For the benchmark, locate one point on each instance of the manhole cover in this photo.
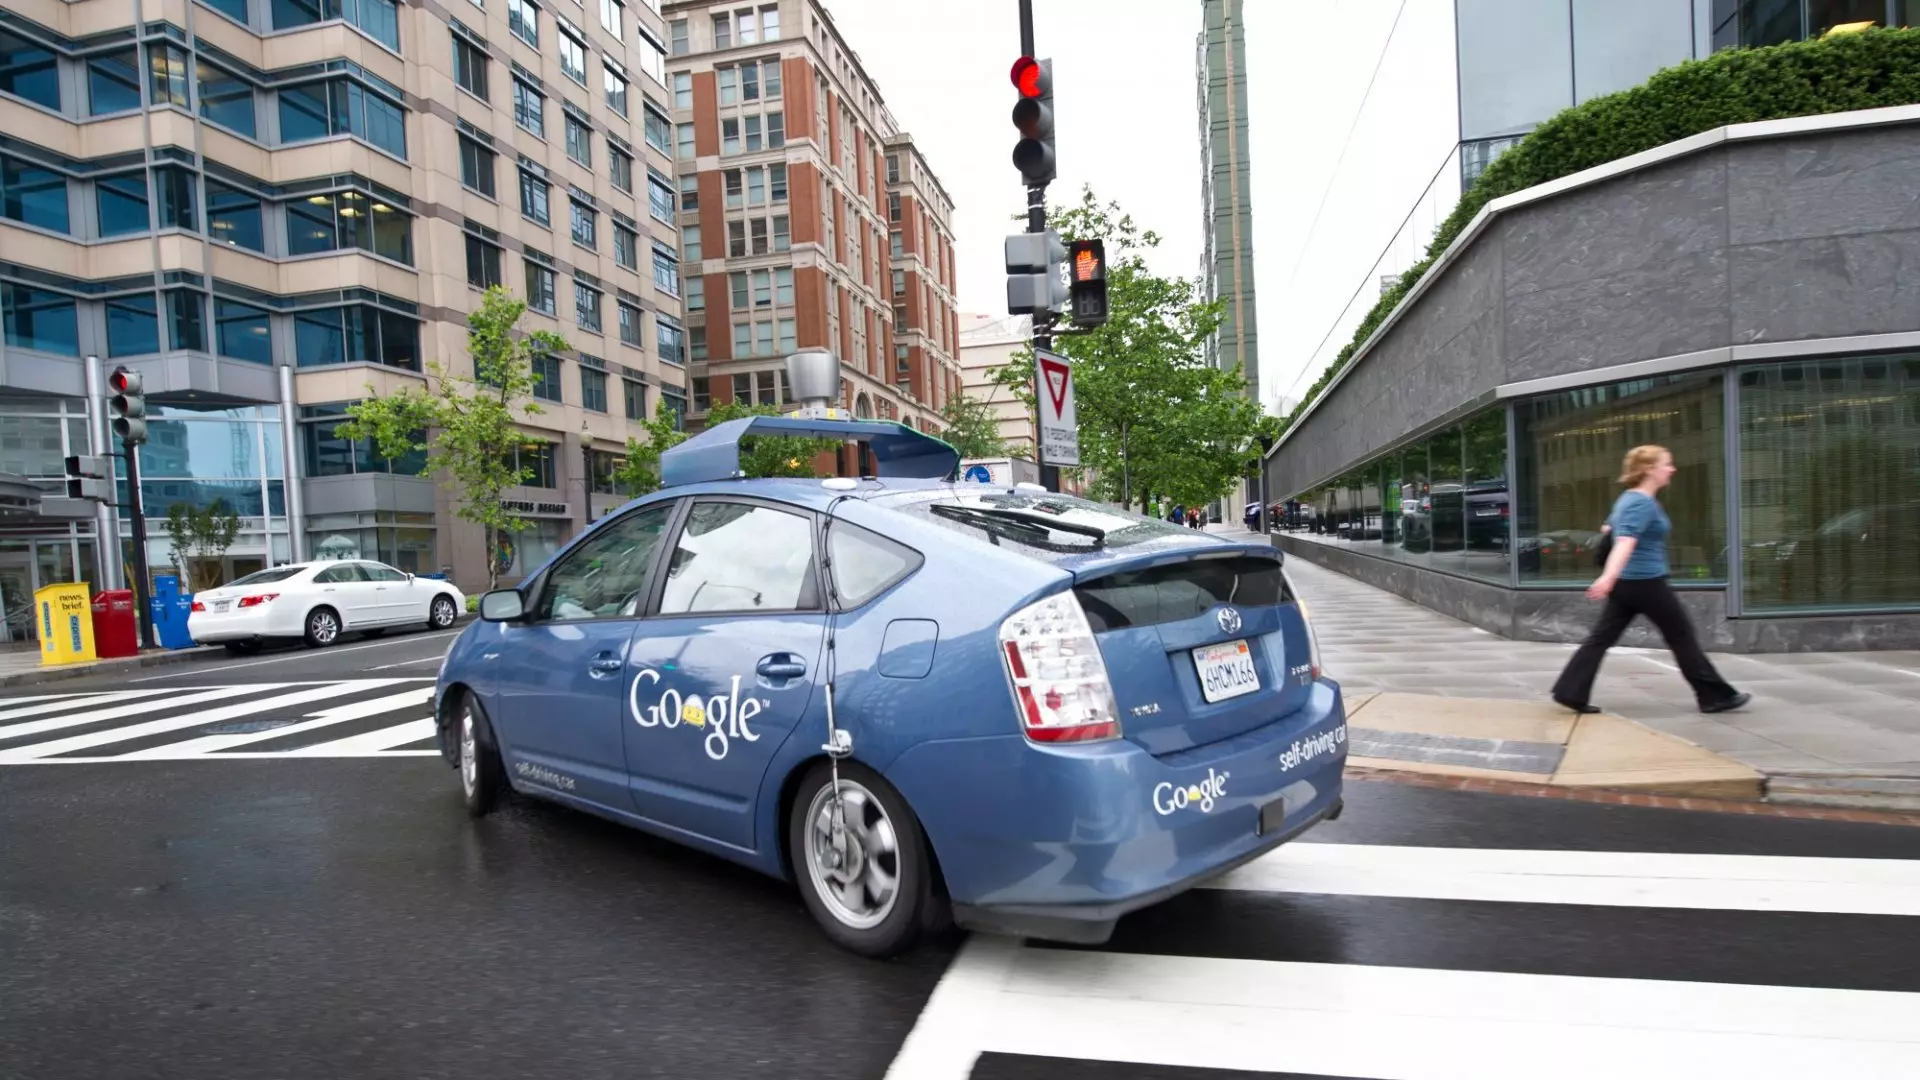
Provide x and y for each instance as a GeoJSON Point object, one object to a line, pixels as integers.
{"type": "Point", "coordinates": [244, 727]}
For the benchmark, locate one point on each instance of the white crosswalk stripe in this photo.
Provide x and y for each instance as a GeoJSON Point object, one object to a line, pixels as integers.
{"type": "Point", "coordinates": [1179, 998]}
{"type": "Point", "coordinates": [374, 717]}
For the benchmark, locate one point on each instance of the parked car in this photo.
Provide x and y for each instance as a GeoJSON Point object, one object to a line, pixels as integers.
{"type": "Point", "coordinates": [1038, 713]}
{"type": "Point", "coordinates": [319, 601]}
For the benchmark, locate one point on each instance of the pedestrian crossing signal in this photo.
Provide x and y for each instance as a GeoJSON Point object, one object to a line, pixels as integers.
{"type": "Point", "coordinates": [1087, 260]}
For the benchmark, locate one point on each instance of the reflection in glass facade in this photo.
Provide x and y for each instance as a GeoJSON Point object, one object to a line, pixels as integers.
{"type": "Point", "coordinates": [402, 541]}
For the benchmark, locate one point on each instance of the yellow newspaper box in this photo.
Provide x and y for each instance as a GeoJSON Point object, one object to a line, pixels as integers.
{"type": "Point", "coordinates": [66, 624]}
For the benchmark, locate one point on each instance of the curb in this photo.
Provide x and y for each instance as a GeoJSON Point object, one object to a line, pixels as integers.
{"type": "Point", "coordinates": [153, 658]}
{"type": "Point", "coordinates": [1754, 808]}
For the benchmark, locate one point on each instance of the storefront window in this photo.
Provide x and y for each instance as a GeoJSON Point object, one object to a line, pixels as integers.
{"type": "Point", "coordinates": [1830, 485]}
{"type": "Point", "coordinates": [1569, 448]}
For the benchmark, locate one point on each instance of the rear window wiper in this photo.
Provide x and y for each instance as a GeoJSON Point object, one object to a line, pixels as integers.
{"type": "Point", "coordinates": [1027, 521]}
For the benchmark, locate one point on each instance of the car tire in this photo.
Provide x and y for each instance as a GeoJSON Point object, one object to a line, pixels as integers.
{"type": "Point", "coordinates": [441, 613]}
{"type": "Point", "coordinates": [482, 776]}
{"type": "Point", "coordinates": [242, 648]}
{"type": "Point", "coordinates": [323, 627]}
{"type": "Point", "coordinates": [884, 839]}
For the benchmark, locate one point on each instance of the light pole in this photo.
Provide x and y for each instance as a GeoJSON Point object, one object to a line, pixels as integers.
{"type": "Point", "coordinates": [586, 475]}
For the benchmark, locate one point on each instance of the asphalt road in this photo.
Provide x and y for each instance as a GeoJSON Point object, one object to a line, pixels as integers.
{"type": "Point", "coordinates": [291, 917]}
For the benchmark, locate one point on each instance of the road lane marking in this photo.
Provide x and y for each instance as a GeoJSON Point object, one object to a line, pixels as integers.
{"type": "Point", "coordinates": [307, 654]}
{"type": "Point", "coordinates": [96, 716]}
{"type": "Point", "coordinates": [70, 701]}
{"type": "Point", "coordinates": [398, 735]}
{"type": "Point", "coordinates": [1395, 1022]}
{"type": "Point", "coordinates": [1606, 878]}
{"type": "Point", "coordinates": [339, 714]}
{"type": "Point", "coordinates": [37, 751]}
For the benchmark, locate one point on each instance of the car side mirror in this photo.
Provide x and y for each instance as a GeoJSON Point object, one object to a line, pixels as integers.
{"type": "Point", "coordinates": [503, 605]}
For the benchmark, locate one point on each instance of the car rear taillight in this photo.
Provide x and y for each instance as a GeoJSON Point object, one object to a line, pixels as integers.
{"type": "Point", "coordinates": [198, 606]}
{"type": "Point", "coordinates": [1059, 679]}
{"type": "Point", "coordinates": [1313, 639]}
{"type": "Point", "coordinates": [257, 600]}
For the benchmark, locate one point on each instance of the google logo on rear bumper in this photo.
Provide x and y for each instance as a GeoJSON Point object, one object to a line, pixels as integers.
{"type": "Point", "coordinates": [1168, 798]}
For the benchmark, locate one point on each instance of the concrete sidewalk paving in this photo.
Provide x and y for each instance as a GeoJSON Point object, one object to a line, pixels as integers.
{"type": "Point", "coordinates": [1822, 728]}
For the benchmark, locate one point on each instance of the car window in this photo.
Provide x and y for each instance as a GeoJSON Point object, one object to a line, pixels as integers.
{"type": "Point", "coordinates": [376, 572]}
{"type": "Point", "coordinates": [865, 563]}
{"type": "Point", "coordinates": [345, 573]}
{"type": "Point", "coordinates": [606, 577]}
{"type": "Point", "coordinates": [263, 577]}
{"type": "Point", "coordinates": [742, 557]}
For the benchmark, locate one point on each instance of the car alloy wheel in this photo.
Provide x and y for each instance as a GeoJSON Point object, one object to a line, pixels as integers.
{"type": "Point", "coordinates": [469, 757]}
{"type": "Point", "coordinates": [443, 613]}
{"type": "Point", "coordinates": [855, 869]}
{"type": "Point", "coordinates": [482, 776]}
{"type": "Point", "coordinates": [323, 627]}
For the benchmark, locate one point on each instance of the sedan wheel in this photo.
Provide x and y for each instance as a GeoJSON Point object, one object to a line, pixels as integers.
{"type": "Point", "coordinates": [441, 614]}
{"type": "Point", "coordinates": [323, 627]}
{"type": "Point", "coordinates": [481, 775]}
{"type": "Point", "coordinates": [865, 872]}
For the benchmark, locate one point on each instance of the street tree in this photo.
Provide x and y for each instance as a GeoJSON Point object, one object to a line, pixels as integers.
{"type": "Point", "coordinates": [1154, 418]}
{"type": "Point", "coordinates": [468, 425]}
{"type": "Point", "coordinates": [760, 455]}
{"type": "Point", "coordinates": [971, 428]}
{"type": "Point", "coordinates": [200, 538]}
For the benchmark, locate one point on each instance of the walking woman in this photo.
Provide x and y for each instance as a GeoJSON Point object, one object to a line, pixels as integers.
{"type": "Point", "coordinates": [1634, 582]}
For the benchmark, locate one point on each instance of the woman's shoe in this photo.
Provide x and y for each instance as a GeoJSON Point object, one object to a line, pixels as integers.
{"type": "Point", "coordinates": [1728, 705]}
{"type": "Point", "coordinates": [1583, 709]}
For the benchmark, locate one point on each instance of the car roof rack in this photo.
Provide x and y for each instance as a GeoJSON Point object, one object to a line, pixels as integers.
{"type": "Point", "coordinates": [898, 450]}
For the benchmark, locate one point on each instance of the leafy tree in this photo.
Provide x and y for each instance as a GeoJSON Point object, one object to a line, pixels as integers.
{"type": "Point", "coordinates": [1154, 417]}
{"type": "Point", "coordinates": [473, 419]}
{"type": "Point", "coordinates": [971, 428]}
{"type": "Point", "coordinates": [760, 456]}
{"type": "Point", "coordinates": [200, 538]}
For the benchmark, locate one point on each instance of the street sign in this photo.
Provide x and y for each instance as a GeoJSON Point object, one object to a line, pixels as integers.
{"type": "Point", "coordinates": [1059, 429]}
{"type": "Point", "coordinates": [978, 474]}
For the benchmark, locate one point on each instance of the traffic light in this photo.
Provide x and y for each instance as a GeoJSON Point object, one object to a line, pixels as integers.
{"type": "Point", "coordinates": [89, 478]}
{"type": "Point", "coordinates": [1033, 115]}
{"type": "Point", "coordinates": [1087, 264]}
{"type": "Point", "coordinates": [1034, 263]}
{"type": "Point", "coordinates": [128, 405]}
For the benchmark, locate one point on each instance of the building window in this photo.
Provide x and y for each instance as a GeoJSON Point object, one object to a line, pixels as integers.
{"type": "Point", "coordinates": [770, 23]}
{"type": "Point", "coordinates": [722, 32]}
{"type": "Point", "coordinates": [586, 306]}
{"type": "Point", "coordinates": [626, 247]}
{"type": "Point", "coordinates": [673, 404]}
{"type": "Point", "coordinates": [585, 224]}
{"type": "Point", "coordinates": [121, 202]}
{"type": "Point", "coordinates": [729, 137]}
{"type": "Point", "coordinates": [573, 58]}
{"type": "Point", "coordinates": [893, 168]}
{"type": "Point", "coordinates": [523, 18]}
{"type": "Point", "coordinates": [666, 269]}
{"type": "Point", "coordinates": [697, 344]}
{"type": "Point", "coordinates": [476, 166]}
{"type": "Point", "coordinates": [782, 237]}
{"type": "Point", "coordinates": [326, 454]}
{"type": "Point", "coordinates": [483, 263]}
{"type": "Point", "coordinates": [620, 169]}
{"type": "Point", "coordinates": [546, 376]}
{"type": "Point", "coordinates": [319, 110]}
{"type": "Point", "coordinates": [669, 339]}
{"type": "Point", "coordinates": [242, 332]}
{"type": "Point", "coordinates": [776, 130]}
{"type": "Point", "coordinates": [1568, 449]}
{"type": "Point", "coordinates": [682, 90]}
{"type": "Point", "coordinates": [777, 182]}
{"type": "Point", "coordinates": [593, 390]}
{"type": "Point", "coordinates": [696, 293]}
{"type": "Point", "coordinates": [635, 394]}
{"type": "Point", "coordinates": [614, 18]}
{"type": "Point", "coordinates": [893, 207]}
{"type": "Point", "coordinates": [113, 83]}
{"type": "Point", "coordinates": [226, 99]}
{"type": "Point", "coordinates": [630, 322]}
{"type": "Point", "coordinates": [348, 219]}
{"type": "Point", "coordinates": [615, 85]}
{"type": "Point", "coordinates": [677, 36]}
{"type": "Point", "coordinates": [166, 76]}
{"type": "Point", "coordinates": [29, 71]}
{"type": "Point", "coordinates": [659, 197]}
{"type": "Point", "coordinates": [683, 142]}
{"type": "Point", "coordinates": [356, 334]}
{"type": "Point", "coordinates": [1829, 519]}
{"type": "Point", "coordinates": [898, 248]}
{"type": "Point", "coordinates": [658, 129]}
{"type": "Point", "coordinates": [653, 56]}
{"type": "Point", "coordinates": [702, 394]}
{"type": "Point", "coordinates": [899, 283]}
{"type": "Point", "coordinates": [579, 142]}
{"type": "Point", "coordinates": [529, 108]}
{"type": "Point", "coordinates": [40, 320]}
{"type": "Point", "coordinates": [736, 239]}
{"type": "Point", "coordinates": [540, 288]}
{"type": "Point", "coordinates": [378, 19]}
{"type": "Point", "coordinates": [536, 197]}
{"type": "Point", "coordinates": [537, 461]}
{"type": "Point", "coordinates": [235, 218]}
{"type": "Point", "coordinates": [469, 67]}
{"type": "Point", "coordinates": [692, 252]}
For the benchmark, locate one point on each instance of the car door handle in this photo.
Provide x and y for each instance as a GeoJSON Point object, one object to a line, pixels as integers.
{"type": "Point", "coordinates": [780, 667]}
{"type": "Point", "coordinates": [606, 664]}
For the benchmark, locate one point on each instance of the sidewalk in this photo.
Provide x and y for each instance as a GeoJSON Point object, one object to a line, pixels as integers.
{"type": "Point", "coordinates": [1823, 728]}
{"type": "Point", "coordinates": [22, 667]}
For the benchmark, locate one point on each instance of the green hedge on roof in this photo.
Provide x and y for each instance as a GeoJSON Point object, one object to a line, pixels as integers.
{"type": "Point", "coordinates": [1867, 70]}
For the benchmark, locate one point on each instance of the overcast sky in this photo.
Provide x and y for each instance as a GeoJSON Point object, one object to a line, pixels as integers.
{"type": "Point", "coordinates": [1126, 113]}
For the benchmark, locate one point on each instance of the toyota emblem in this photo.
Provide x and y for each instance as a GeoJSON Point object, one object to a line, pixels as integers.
{"type": "Point", "coordinates": [1229, 621]}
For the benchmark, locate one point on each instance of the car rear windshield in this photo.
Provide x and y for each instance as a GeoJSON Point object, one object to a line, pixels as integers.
{"type": "Point", "coordinates": [1044, 526]}
{"type": "Point", "coordinates": [263, 577]}
{"type": "Point", "coordinates": [1177, 591]}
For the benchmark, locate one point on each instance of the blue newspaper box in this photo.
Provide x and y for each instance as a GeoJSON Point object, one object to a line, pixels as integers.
{"type": "Point", "coordinates": [170, 609]}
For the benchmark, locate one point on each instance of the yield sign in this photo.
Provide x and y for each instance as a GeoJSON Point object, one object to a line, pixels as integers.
{"type": "Point", "coordinates": [1056, 383]}
{"type": "Point", "coordinates": [1059, 427]}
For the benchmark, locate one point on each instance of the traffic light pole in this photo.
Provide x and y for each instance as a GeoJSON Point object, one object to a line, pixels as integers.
{"type": "Point", "coordinates": [1042, 321]}
{"type": "Point", "coordinates": [141, 583]}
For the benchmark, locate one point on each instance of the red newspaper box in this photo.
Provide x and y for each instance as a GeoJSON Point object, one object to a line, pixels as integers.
{"type": "Point", "coordinates": [116, 631]}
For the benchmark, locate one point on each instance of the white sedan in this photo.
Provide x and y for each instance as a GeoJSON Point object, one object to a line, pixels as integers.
{"type": "Point", "coordinates": [319, 601]}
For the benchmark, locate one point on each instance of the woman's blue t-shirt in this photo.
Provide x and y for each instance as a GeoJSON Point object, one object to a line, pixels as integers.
{"type": "Point", "coordinates": [1641, 517]}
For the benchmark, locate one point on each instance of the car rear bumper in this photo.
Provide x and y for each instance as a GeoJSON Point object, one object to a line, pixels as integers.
{"type": "Point", "coordinates": [1060, 841]}
{"type": "Point", "coordinates": [212, 627]}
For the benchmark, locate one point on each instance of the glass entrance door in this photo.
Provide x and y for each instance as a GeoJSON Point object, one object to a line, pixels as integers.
{"type": "Point", "coordinates": [16, 591]}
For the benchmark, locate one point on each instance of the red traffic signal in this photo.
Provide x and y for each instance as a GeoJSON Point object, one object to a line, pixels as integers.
{"type": "Point", "coordinates": [1089, 261]}
{"type": "Point", "coordinates": [123, 381]}
{"type": "Point", "coordinates": [1029, 77]}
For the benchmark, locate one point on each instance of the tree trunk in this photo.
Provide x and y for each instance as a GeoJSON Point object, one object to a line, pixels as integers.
{"type": "Point", "coordinates": [493, 558]}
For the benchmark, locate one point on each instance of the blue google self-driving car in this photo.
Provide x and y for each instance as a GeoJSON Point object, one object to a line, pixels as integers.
{"type": "Point", "coordinates": [923, 701]}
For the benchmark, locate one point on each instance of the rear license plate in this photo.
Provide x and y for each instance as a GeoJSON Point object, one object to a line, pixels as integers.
{"type": "Point", "coordinates": [1225, 671]}
{"type": "Point", "coordinates": [221, 605]}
